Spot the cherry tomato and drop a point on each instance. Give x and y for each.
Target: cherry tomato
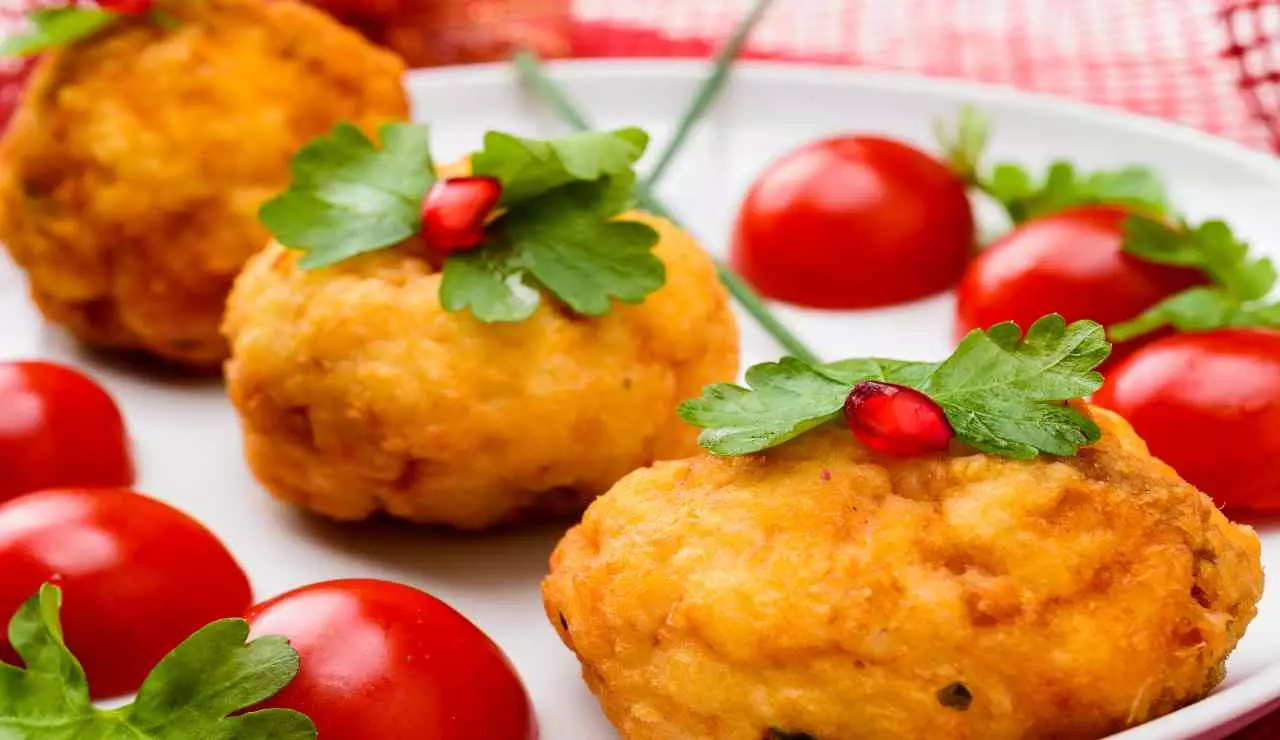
(854, 222)
(1070, 262)
(58, 429)
(127, 7)
(1209, 405)
(137, 577)
(383, 661)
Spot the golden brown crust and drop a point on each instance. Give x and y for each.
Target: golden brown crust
(131, 175)
(818, 588)
(358, 393)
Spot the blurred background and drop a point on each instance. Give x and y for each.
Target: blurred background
(1212, 64)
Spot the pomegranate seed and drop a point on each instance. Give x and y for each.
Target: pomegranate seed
(896, 420)
(128, 7)
(455, 211)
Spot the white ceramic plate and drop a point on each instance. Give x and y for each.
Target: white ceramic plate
(189, 446)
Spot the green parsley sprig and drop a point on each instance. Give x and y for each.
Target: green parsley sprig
(57, 28)
(1002, 392)
(1062, 186)
(554, 230)
(1239, 283)
(195, 693)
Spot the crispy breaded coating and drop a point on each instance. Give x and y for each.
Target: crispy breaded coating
(820, 590)
(132, 173)
(358, 393)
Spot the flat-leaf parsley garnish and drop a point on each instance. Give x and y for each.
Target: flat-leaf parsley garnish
(1025, 197)
(1002, 392)
(1238, 282)
(58, 27)
(553, 228)
(197, 692)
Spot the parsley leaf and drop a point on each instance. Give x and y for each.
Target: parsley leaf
(190, 695)
(1240, 283)
(1002, 392)
(1210, 247)
(54, 28)
(562, 242)
(782, 400)
(1062, 188)
(1025, 198)
(963, 146)
(491, 282)
(349, 197)
(553, 229)
(528, 168)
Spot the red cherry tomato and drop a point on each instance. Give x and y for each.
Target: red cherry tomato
(137, 577)
(128, 7)
(58, 429)
(1209, 405)
(383, 661)
(854, 222)
(1070, 263)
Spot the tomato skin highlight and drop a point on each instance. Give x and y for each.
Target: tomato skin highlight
(1072, 263)
(138, 577)
(58, 428)
(385, 661)
(854, 222)
(1209, 405)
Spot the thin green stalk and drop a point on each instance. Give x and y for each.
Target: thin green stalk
(708, 91)
(532, 73)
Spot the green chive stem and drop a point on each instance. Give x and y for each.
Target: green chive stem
(708, 91)
(531, 71)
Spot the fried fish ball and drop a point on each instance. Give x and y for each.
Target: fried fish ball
(820, 591)
(358, 393)
(132, 173)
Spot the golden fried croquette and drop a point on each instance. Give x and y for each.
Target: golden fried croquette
(358, 393)
(132, 173)
(821, 590)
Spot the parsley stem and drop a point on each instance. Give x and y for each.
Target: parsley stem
(708, 91)
(531, 71)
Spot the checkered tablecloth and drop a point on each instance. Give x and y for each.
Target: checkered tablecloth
(1212, 64)
(1200, 62)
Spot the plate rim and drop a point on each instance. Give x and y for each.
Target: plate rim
(593, 70)
(1204, 719)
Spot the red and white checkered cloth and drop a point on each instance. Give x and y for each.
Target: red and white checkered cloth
(1200, 62)
(1212, 64)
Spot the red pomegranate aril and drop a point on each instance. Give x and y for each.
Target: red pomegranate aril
(128, 7)
(896, 420)
(455, 211)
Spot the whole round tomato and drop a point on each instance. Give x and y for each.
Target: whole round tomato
(137, 577)
(854, 222)
(1070, 262)
(1209, 405)
(58, 429)
(383, 661)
